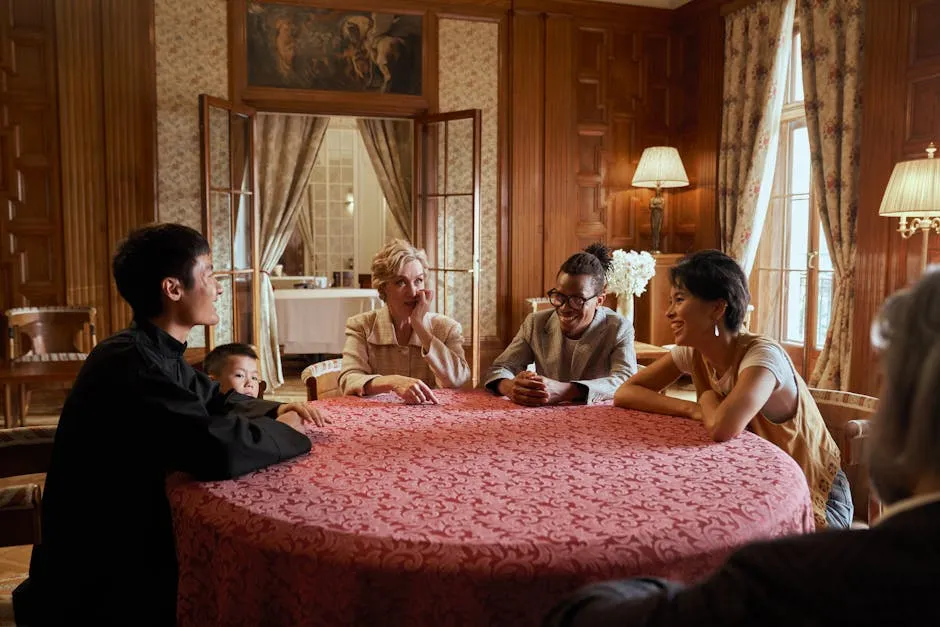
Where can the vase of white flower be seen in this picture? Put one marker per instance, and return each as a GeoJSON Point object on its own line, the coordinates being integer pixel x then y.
{"type": "Point", "coordinates": [629, 274]}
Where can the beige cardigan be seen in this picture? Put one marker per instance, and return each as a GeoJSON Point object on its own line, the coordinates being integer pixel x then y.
{"type": "Point", "coordinates": [372, 350]}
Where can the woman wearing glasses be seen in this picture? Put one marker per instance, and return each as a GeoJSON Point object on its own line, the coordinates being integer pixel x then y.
{"type": "Point", "coordinates": [581, 350]}
{"type": "Point", "coordinates": [743, 381]}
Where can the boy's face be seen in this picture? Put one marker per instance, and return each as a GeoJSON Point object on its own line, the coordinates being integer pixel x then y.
{"type": "Point", "coordinates": [240, 374]}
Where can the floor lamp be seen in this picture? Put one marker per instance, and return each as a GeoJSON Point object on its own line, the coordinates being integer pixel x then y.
{"type": "Point", "coordinates": [913, 193]}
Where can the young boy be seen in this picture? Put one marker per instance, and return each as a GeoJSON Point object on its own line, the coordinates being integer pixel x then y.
{"type": "Point", "coordinates": [136, 412]}
{"type": "Point", "coordinates": [235, 367]}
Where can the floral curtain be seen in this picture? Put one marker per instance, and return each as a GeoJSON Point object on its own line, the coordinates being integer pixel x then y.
{"type": "Point", "coordinates": [389, 144]}
{"type": "Point", "coordinates": [287, 149]}
{"type": "Point", "coordinates": [832, 34]}
{"type": "Point", "coordinates": [757, 52]}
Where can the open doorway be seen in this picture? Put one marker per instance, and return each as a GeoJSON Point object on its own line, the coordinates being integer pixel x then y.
{"type": "Point", "coordinates": [344, 217]}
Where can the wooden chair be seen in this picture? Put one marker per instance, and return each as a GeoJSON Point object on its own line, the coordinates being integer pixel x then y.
{"type": "Point", "coordinates": [846, 416]}
{"type": "Point", "coordinates": [23, 451]}
{"type": "Point", "coordinates": [322, 379]}
{"type": "Point", "coordinates": [48, 334]}
{"type": "Point", "coordinates": [51, 333]}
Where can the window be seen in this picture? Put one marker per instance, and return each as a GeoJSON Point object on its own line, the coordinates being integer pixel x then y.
{"type": "Point", "coordinates": [791, 283]}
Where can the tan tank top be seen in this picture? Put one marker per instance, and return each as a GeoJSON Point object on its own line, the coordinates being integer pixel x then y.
{"type": "Point", "coordinates": [804, 437]}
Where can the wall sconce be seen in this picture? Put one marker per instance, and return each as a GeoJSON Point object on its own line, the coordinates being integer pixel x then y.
{"type": "Point", "coordinates": [350, 202]}
{"type": "Point", "coordinates": [913, 191]}
{"type": "Point", "coordinates": [659, 167]}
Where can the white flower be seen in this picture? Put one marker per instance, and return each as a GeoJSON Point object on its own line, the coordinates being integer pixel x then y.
{"type": "Point", "coordinates": [630, 272]}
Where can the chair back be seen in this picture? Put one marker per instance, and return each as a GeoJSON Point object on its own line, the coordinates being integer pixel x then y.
{"type": "Point", "coordinates": [51, 333]}
{"type": "Point", "coordinates": [23, 451]}
{"type": "Point", "coordinates": [322, 379]}
{"type": "Point", "coordinates": [847, 418]}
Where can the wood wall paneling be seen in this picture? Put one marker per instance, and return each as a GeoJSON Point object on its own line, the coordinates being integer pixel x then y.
{"type": "Point", "coordinates": [561, 171]}
{"type": "Point", "coordinates": [527, 149]}
{"type": "Point", "coordinates": [699, 35]}
{"type": "Point", "coordinates": [31, 267]}
{"type": "Point", "coordinates": [81, 116]}
{"type": "Point", "coordinates": [130, 102]}
{"type": "Point", "coordinates": [896, 124]}
{"type": "Point", "coordinates": [107, 117]}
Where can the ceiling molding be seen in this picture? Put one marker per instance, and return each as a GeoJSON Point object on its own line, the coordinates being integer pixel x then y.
{"type": "Point", "coordinates": [658, 4]}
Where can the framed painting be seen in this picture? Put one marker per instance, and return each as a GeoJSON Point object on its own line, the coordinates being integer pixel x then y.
{"type": "Point", "coordinates": [293, 51]}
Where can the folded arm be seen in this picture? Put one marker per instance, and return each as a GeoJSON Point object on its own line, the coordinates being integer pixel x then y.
{"type": "Point", "coordinates": [513, 360]}
{"type": "Point", "coordinates": [643, 391]}
{"type": "Point", "coordinates": [622, 367]}
{"type": "Point", "coordinates": [217, 444]}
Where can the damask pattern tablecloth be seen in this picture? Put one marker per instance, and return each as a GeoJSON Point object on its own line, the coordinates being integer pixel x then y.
{"type": "Point", "coordinates": [473, 512]}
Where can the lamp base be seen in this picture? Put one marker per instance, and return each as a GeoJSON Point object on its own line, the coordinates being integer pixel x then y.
{"type": "Point", "coordinates": [656, 219]}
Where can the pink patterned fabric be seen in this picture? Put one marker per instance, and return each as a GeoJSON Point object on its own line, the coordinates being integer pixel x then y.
{"type": "Point", "coordinates": [474, 512]}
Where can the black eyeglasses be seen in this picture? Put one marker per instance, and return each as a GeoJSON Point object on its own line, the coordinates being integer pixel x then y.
{"type": "Point", "coordinates": [558, 300]}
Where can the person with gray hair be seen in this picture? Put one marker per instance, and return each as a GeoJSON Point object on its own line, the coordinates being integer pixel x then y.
{"type": "Point", "coordinates": [885, 575]}
{"type": "Point", "coordinates": [402, 347]}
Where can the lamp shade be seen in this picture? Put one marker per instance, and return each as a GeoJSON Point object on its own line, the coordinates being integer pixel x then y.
{"type": "Point", "coordinates": [913, 190]}
{"type": "Point", "coordinates": [660, 166]}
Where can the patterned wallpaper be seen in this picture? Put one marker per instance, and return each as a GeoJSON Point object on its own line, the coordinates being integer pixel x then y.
{"type": "Point", "coordinates": [192, 58]}
{"type": "Point", "coordinates": [469, 78]}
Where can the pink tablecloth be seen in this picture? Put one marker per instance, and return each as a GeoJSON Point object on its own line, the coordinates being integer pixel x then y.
{"type": "Point", "coordinates": [475, 512]}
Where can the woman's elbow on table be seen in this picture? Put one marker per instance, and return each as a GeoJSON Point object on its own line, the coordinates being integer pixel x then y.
{"type": "Point", "coordinates": [625, 396]}
{"type": "Point", "coordinates": [724, 429]}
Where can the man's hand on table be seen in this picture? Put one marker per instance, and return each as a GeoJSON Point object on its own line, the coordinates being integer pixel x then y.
{"type": "Point", "coordinates": [298, 414]}
{"type": "Point", "coordinates": [533, 390]}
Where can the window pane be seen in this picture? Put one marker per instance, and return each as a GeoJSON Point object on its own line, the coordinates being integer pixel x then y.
{"type": "Point", "coordinates": [796, 70]}
{"type": "Point", "coordinates": [799, 234]}
{"type": "Point", "coordinates": [796, 306]}
{"type": "Point", "coordinates": [799, 161]}
{"type": "Point", "coordinates": [796, 278]}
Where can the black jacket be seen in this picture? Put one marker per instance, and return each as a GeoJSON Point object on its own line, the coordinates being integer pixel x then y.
{"type": "Point", "coordinates": [137, 411]}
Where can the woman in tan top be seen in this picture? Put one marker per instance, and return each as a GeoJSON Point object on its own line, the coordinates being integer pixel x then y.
{"type": "Point", "coordinates": [402, 347]}
{"type": "Point", "coordinates": [743, 381]}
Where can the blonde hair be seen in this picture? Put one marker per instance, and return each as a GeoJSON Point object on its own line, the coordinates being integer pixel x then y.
{"type": "Point", "coordinates": [906, 429]}
{"type": "Point", "coordinates": [389, 261]}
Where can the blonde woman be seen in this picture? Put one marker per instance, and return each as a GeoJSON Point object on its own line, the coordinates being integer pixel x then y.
{"type": "Point", "coordinates": [402, 347]}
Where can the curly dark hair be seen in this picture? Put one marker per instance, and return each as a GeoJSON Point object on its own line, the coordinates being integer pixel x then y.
{"type": "Point", "coordinates": [151, 254]}
{"type": "Point", "coordinates": [712, 275]}
{"type": "Point", "coordinates": [593, 260]}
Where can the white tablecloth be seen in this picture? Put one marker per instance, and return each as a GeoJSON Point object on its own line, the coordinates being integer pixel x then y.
{"type": "Point", "coordinates": [314, 320]}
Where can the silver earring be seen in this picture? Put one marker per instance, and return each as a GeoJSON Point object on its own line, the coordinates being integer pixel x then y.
{"type": "Point", "coordinates": [716, 329]}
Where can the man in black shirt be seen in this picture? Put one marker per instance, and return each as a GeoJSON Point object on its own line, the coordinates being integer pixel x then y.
{"type": "Point", "coordinates": [136, 412]}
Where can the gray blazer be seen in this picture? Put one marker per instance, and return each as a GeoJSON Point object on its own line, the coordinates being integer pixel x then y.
{"type": "Point", "coordinates": [603, 359]}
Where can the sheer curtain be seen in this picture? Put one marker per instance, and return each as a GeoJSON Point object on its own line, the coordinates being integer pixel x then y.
{"type": "Point", "coordinates": [389, 144]}
{"type": "Point", "coordinates": [832, 35]}
{"type": "Point", "coordinates": [287, 149]}
{"type": "Point", "coordinates": [757, 50]}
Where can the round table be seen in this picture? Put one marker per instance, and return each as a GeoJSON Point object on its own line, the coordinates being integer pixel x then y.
{"type": "Point", "coordinates": [473, 512]}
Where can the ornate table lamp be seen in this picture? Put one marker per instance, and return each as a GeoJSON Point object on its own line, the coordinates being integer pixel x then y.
{"type": "Point", "coordinates": [914, 192]}
{"type": "Point", "coordinates": [659, 167]}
